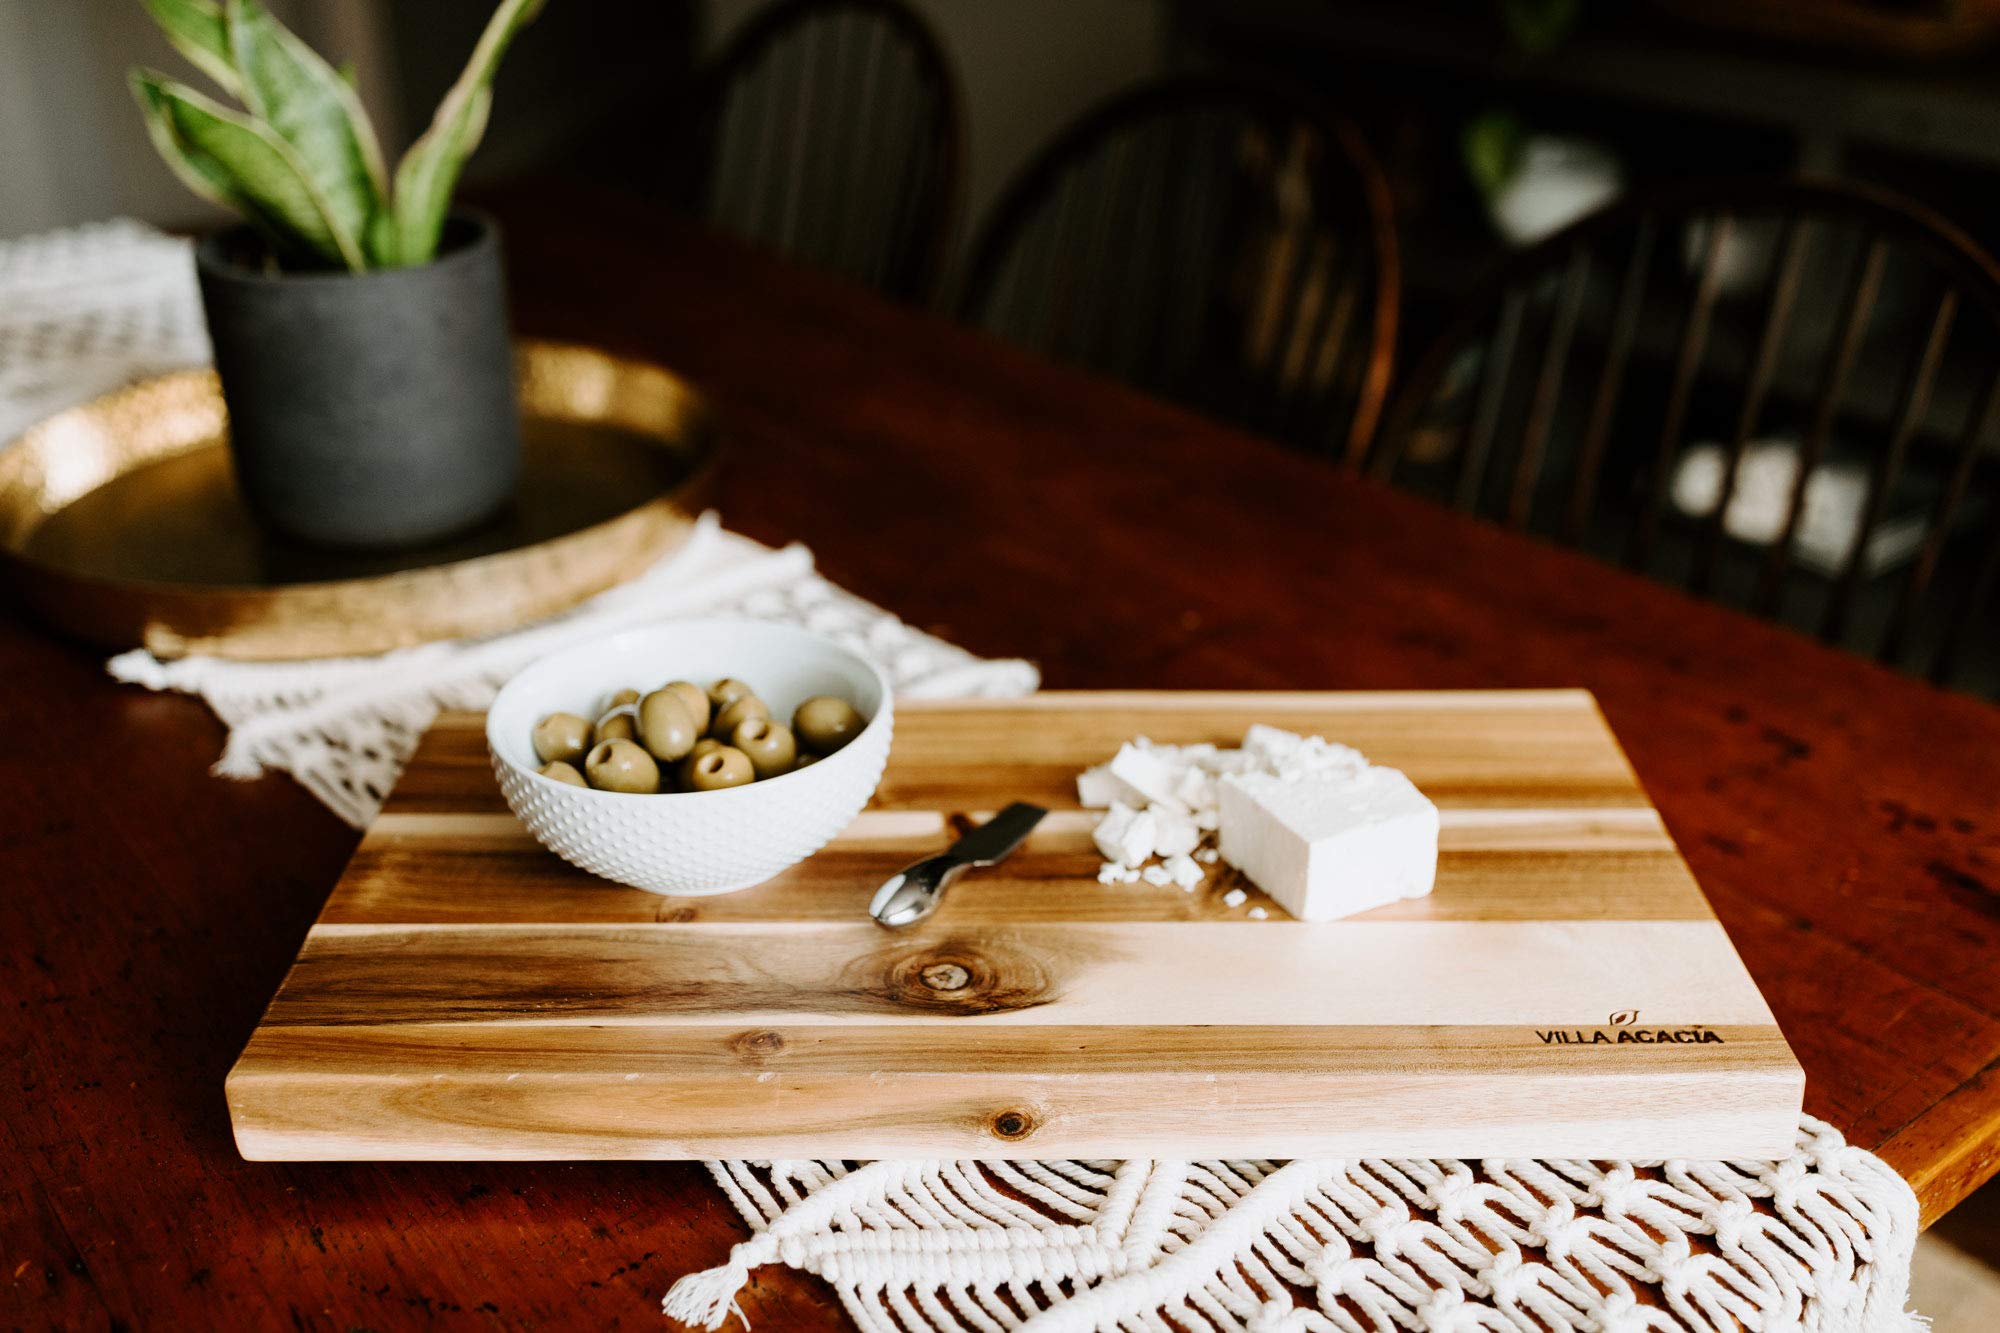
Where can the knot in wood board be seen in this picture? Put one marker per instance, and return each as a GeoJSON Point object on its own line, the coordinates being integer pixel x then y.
{"type": "Point", "coordinates": [945, 976]}
{"type": "Point", "coordinates": [1013, 1123]}
{"type": "Point", "coordinates": [757, 1044]}
{"type": "Point", "coordinates": [955, 976]}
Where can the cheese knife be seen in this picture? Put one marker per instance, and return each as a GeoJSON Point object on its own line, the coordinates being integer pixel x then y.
{"type": "Point", "coordinates": [912, 893]}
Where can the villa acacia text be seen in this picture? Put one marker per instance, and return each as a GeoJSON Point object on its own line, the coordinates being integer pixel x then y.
{"type": "Point", "coordinates": [1627, 1036]}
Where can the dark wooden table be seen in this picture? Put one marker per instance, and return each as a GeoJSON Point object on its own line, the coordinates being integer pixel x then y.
{"type": "Point", "coordinates": [1845, 821]}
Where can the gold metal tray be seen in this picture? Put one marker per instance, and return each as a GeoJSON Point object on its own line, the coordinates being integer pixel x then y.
{"type": "Point", "coordinates": [120, 521]}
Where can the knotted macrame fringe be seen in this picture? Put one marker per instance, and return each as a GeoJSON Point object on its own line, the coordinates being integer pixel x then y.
{"type": "Point", "coordinates": [1820, 1242]}
{"type": "Point", "coordinates": [345, 727]}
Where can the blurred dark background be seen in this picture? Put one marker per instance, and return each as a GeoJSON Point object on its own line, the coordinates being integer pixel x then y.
{"type": "Point", "coordinates": [1899, 92]}
{"type": "Point", "coordinates": [1341, 225]}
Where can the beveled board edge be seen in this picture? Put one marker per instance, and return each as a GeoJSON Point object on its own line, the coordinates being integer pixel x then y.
{"type": "Point", "coordinates": [672, 1093]}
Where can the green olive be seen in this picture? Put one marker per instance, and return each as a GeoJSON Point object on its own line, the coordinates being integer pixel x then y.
{"type": "Point", "coordinates": [696, 700]}
{"type": "Point", "coordinates": [768, 744]}
{"type": "Point", "coordinates": [665, 728]}
{"type": "Point", "coordinates": [620, 728]}
{"type": "Point", "coordinates": [826, 722]}
{"type": "Point", "coordinates": [805, 760]}
{"type": "Point", "coordinates": [563, 772]}
{"type": "Point", "coordinates": [561, 737]}
{"type": "Point", "coordinates": [727, 691]}
{"type": "Point", "coordinates": [618, 765]}
{"type": "Point", "coordinates": [686, 770]}
{"type": "Point", "coordinates": [724, 766]}
{"type": "Point", "coordinates": [735, 713]}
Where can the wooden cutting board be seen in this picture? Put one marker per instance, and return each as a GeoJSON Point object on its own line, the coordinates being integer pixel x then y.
{"type": "Point", "coordinates": [1565, 992]}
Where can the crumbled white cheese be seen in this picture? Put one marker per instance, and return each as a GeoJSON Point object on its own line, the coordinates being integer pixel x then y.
{"type": "Point", "coordinates": [1235, 897]}
{"type": "Point", "coordinates": [1148, 773]}
{"type": "Point", "coordinates": [1110, 831]}
{"type": "Point", "coordinates": [1174, 833]}
{"type": "Point", "coordinates": [1311, 822]}
{"type": "Point", "coordinates": [1195, 789]}
{"type": "Point", "coordinates": [1099, 789]}
{"type": "Point", "coordinates": [1126, 835]}
{"type": "Point", "coordinates": [1258, 914]}
{"type": "Point", "coordinates": [1289, 756]}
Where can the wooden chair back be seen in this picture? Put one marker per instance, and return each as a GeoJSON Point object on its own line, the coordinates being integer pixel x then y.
{"type": "Point", "coordinates": [1218, 241]}
{"type": "Point", "coordinates": [1845, 334]}
{"type": "Point", "coordinates": [828, 130]}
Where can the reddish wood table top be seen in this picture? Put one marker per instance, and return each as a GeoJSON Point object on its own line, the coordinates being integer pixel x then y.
{"type": "Point", "coordinates": [1845, 821]}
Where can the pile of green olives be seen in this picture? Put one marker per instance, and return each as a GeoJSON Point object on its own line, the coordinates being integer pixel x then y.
{"type": "Point", "coordinates": [682, 737]}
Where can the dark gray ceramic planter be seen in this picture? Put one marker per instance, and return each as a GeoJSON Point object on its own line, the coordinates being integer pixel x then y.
{"type": "Point", "coordinates": [371, 410]}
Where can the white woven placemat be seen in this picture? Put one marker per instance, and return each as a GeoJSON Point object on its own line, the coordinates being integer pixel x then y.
{"type": "Point", "coordinates": [346, 726]}
{"type": "Point", "coordinates": [1820, 1241]}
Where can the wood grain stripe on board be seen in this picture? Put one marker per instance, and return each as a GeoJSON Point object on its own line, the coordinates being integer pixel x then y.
{"type": "Point", "coordinates": [1546, 748]}
{"type": "Point", "coordinates": [1463, 828]}
{"type": "Point", "coordinates": [672, 1049]}
{"type": "Point", "coordinates": [391, 886]}
{"type": "Point", "coordinates": [1030, 973]}
{"type": "Point", "coordinates": [1492, 865]}
{"type": "Point", "coordinates": [1255, 704]}
{"type": "Point", "coordinates": [536, 1092]}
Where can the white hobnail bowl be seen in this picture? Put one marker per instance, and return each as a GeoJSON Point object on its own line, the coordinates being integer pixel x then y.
{"type": "Point", "coordinates": [692, 842]}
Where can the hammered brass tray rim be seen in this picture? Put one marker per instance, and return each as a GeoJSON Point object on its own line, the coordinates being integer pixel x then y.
{"type": "Point", "coordinates": [667, 410]}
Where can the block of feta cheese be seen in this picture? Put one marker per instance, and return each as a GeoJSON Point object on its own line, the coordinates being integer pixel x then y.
{"type": "Point", "coordinates": [1333, 840]}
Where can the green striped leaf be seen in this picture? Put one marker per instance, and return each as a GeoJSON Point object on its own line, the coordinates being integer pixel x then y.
{"type": "Point", "coordinates": [225, 156]}
{"type": "Point", "coordinates": [306, 103]}
{"type": "Point", "coordinates": [428, 173]}
{"type": "Point", "coordinates": [197, 30]}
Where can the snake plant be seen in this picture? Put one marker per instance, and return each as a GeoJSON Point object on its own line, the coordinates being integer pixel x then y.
{"type": "Point", "coordinates": [299, 158]}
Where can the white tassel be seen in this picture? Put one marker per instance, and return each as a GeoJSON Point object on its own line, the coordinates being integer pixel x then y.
{"type": "Point", "coordinates": [237, 762]}
{"type": "Point", "coordinates": [705, 1299]}
{"type": "Point", "coordinates": [1276, 1316]}
{"type": "Point", "coordinates": [139, 667]}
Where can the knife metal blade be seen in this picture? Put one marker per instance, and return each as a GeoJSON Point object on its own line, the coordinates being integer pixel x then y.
{"type": "Point", "coordinates": [912, 894]}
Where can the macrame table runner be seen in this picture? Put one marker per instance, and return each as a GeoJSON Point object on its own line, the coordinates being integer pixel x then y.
{"type": "Point", "coordinates": [345, 727]}
{"type": "Point", "coordinates": [1820, 1241]}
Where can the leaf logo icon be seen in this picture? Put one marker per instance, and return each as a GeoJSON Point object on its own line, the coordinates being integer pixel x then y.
{"type": "Point", "coordinates": [1624, 1018]}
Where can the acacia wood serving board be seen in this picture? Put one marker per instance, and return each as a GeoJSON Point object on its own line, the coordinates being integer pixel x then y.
{"type": "Point", "coordinates": [1565, 991]}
